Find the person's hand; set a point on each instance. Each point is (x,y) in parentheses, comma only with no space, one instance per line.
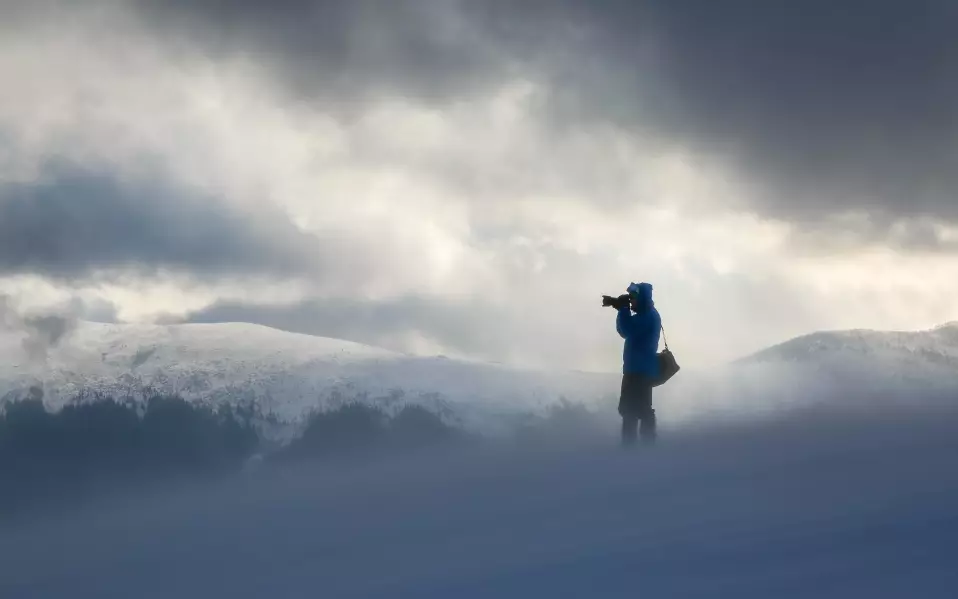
(615,302)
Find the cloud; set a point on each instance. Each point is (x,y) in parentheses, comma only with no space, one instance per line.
(825,109)
(73,223)
(41,330)
(849,109)
(343,52)
(470,177)
(416,324)
(828,108)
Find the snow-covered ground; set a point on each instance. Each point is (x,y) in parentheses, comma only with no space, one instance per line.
(856,506)
(853,497)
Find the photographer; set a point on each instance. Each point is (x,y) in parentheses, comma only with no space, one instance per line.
(641,365)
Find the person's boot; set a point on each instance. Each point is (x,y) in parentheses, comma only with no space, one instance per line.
(647,429)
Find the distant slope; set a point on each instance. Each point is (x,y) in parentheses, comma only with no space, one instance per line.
(286,373)
(893,362)
(938,346)
(829,368)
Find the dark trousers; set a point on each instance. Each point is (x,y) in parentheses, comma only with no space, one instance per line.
(635,407)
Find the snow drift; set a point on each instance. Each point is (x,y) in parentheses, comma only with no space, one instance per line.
(828,508)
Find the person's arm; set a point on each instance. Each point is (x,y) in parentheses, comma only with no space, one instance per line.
(623,322)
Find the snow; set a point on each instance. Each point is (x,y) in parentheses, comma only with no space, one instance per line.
(901,349)
(851,496)
(287,374)
(831,508)
(848,370)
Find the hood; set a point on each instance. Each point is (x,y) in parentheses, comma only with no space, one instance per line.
(642,292)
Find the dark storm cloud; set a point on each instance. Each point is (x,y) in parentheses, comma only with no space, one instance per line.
(72,223)
(837,105)
(827,106)
(341,51)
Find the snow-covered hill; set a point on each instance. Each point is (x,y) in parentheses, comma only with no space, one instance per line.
(286,373)
(937,347)
(833,368)
(886,363)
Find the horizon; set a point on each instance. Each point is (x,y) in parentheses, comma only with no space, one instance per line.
(614,368)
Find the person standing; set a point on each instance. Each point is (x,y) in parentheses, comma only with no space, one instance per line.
(639,324)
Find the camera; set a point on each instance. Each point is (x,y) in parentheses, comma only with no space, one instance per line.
(616,302)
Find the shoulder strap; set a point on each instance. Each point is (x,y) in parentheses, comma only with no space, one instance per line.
(666,341)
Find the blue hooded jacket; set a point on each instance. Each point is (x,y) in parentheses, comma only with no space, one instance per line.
(641,332)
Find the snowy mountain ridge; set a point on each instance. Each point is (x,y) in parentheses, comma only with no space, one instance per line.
(289,374)
(286,373)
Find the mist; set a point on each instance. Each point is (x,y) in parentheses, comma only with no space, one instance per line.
(39,330)
(832,499)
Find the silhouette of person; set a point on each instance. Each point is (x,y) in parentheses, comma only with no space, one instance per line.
(639,324)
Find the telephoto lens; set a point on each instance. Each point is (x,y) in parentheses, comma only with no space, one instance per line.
(615,302)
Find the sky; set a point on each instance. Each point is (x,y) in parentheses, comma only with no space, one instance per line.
(469,178)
